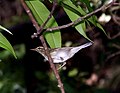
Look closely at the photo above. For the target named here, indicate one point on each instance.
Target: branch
(116, 46)
(116, 19)
(112, 55)
(60, 85)
(104, 7)
(44, 24)
(115, 36)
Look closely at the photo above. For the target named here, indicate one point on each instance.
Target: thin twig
(115, 36)
(48, 18)
(104, 7)
(112, 55)
(116, 19)
(45, 47)
(116, 46)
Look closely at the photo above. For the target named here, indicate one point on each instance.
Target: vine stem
(35, 24)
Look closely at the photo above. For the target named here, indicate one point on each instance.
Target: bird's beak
(33, 49)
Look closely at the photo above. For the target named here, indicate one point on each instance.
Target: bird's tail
(85, 45)
(76, 49)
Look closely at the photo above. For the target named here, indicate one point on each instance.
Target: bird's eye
(40, 48)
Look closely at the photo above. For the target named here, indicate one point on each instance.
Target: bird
(61, 55)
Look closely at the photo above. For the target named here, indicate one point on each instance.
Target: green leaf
(87, 2)
(4, 43)
(81, 27)
(76, 9)
(41, 13)
(96, 24)
(92, 18)
(1, 27)
(99, 26)
(73, 73)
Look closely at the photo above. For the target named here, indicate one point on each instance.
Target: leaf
(1, 27)
(4, 43)
(96, 24)
(81, 27)
(76, 9)
(41, 13)
(87, 2)
(73, 73)
(99, 26)
(93, 18)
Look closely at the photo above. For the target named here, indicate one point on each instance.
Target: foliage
(74, 12)
(4, 43)
(41, 13)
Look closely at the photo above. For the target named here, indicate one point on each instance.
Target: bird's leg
(62, 66)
